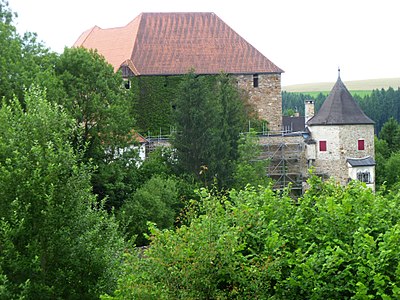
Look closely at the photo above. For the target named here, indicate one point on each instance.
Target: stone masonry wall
(266, 98)
(342, 143)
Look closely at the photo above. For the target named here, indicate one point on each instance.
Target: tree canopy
(56, 240)
(332, 243)
(209, 118)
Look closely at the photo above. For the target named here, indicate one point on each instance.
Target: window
(127, 84)
(255, 80)
(364, 176)
(361, 145)
(322, 145)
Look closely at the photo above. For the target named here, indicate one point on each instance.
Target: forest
(379, 105)
(81, 217)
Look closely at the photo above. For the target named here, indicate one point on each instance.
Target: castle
(337, 142)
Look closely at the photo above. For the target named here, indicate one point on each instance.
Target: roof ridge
(138, 20)
(85, 36)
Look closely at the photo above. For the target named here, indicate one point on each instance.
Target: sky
(308, 39)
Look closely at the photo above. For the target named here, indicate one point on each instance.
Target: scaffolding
(285, 153)
(285, 163)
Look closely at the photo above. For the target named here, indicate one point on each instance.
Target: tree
(10, 52)
(23, 60)
(390, 133)
(249, 168)
(209, 118)
(382, 154)
(97, 100)
(56, 240)
(333, 243)
(392, 170)
(101, 107)
(231, 120)
(196, 117)
(156, 201)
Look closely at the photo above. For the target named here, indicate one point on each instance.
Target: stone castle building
(168, 44)
(338, 141)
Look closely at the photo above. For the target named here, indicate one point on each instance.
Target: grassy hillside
(357, 86)
(314, 94)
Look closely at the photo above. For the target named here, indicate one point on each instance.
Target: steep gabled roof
(339, 108)
(115, 44)
(174, 43)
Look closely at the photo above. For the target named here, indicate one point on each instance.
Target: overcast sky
(308, 39)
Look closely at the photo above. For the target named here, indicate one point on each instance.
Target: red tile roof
(174, 43)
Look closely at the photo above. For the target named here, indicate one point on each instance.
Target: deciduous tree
(56, 240)
(333, 243)
(97, 100)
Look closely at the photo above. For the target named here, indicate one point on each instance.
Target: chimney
(309, 110)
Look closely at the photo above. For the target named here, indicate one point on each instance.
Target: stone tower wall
(266, 98)
(342, 143)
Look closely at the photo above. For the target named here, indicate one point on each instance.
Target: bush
(155, 201)
(335, 243)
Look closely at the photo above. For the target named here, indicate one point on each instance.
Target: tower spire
(338, 72)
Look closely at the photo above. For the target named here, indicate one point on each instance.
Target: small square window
(322, 145)
(361, 145)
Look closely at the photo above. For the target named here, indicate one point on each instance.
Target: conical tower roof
(340, 108)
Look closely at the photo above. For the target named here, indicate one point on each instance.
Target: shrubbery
(334, 243)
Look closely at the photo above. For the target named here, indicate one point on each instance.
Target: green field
(360, 87)
(314, 94)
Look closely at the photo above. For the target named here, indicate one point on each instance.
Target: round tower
(344, 138)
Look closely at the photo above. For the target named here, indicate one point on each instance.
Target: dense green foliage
(96, 99)
(249, 169)
(387, 155)
(209, 118)
(94, 96)
(156, 99)
(379, 105)
(294, 102)
(155, 103)
(333, 243)
(23, 60)
(56, 241)
(154, 202)
(65, 169)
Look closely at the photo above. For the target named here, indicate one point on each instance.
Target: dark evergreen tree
(209, 117)
(390, 133)
(231, 123)
(196, 118)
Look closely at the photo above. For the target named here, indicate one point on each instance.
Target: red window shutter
(361, 145)
(322, 145)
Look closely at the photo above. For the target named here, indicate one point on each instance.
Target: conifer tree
(209, 118)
